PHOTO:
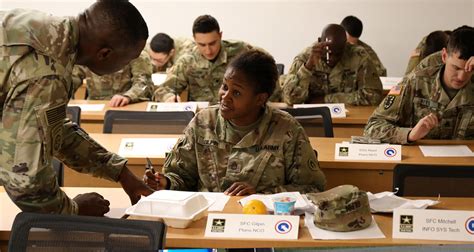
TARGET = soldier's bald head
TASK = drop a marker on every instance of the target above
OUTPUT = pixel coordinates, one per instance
(337, 35)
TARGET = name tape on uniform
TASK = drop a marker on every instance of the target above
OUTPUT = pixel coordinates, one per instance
(337, 109)
(447, 225)
(276, 227)
(385, 152)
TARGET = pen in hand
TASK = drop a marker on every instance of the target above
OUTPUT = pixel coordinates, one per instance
(327, 51)
(155, 182)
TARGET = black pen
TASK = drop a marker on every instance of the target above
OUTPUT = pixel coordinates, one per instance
(149, 166)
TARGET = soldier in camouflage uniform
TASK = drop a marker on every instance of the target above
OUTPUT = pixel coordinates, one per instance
(432, 43)
(243, 146)
(348, 76)
(435, 102)
(131, 84)
(353, 27)
(38, 52)
(201, 71)
(164, 51)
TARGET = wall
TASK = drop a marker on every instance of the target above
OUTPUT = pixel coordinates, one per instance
(392, 27)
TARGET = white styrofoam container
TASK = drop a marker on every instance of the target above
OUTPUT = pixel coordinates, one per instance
(177, 208)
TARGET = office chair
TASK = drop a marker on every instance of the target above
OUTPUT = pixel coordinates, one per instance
(74, 114)
(54, 232)
(433, 180)
(317, 122)
(141, 122)
(280, 68)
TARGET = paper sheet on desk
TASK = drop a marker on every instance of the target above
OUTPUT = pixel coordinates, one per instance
(146, 147)
(220, 200)
(386, 202)
(446, 151)
(89, 107)
(372, 232)
(158, 78)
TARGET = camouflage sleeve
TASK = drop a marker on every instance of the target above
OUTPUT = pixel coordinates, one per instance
(369, 88)
(412, 63)
(302, 170)
(390, 122)
(78, 76)
(176, 81)
(142, 86)
(181, 165)
(379, 67)
(295, 85)
(82, 154)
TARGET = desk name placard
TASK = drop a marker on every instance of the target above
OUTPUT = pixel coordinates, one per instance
(385, 152)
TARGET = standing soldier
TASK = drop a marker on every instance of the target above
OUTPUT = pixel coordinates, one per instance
(38, 53)
(332, 71)
(201, 71)
(435, 102)
(164, 51)
(354, 27)
(129, 85)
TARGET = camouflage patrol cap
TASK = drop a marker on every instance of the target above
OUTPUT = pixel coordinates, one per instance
(343, 208)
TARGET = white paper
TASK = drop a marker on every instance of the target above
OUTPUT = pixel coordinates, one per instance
(172, 106)
(220, 200)
(146, 147)
(267, 199)
(89, 107)
(389, 82)
(371, 232)
(446, 151)
(158, 78)
(386, 202)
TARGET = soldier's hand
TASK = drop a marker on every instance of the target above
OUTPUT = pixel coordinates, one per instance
(92, 204)
(423, 127)
(155, 180)
(240, 189)
(174, 98)
(317, 52)
(133, 186)
(469, 64)
(119, 101)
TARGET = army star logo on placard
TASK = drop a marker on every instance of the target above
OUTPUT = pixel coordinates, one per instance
(218, 225)
(343, 151)
(406, 223)
(389, 101)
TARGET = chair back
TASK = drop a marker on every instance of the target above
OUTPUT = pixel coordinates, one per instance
(74, 114)
(142, 122)
(433, 180)
(53, 232)
(317, 122)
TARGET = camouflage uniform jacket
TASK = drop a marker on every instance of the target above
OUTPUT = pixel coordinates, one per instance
(132, 81)
(38, 52)
(416, 58)
(181, 46)
(353, 80)
(414, 98)
(381, 70)
(275, 156)
(200, 76)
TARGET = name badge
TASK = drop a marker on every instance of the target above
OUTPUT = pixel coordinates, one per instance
(447, 225)
(337, 109)
(171, 106)
(385, 152)
(279, 227)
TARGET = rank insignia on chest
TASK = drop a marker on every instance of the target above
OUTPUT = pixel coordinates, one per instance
(389, 101)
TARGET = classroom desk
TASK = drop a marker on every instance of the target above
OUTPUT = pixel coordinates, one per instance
(352, 125)
(373, 176)
(193, 236)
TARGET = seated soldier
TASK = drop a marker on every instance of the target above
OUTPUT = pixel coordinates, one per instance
(435, 102)
(434, 42)
(201, 71)
(164, 51)
(332, 71)
(129, 85)
(242, 146)
(354, 27)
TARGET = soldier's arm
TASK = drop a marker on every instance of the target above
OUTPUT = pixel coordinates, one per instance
(181, 165)
(369, 90)
(390, 122)
(381, 70)
(176, 81)
(302, 172)
(78, 76)
(295, 85)
(142, 85)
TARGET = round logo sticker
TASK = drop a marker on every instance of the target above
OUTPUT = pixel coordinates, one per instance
(336, 109)
(390, 152)
(187, 108)
(283, 227)
(470, 225)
